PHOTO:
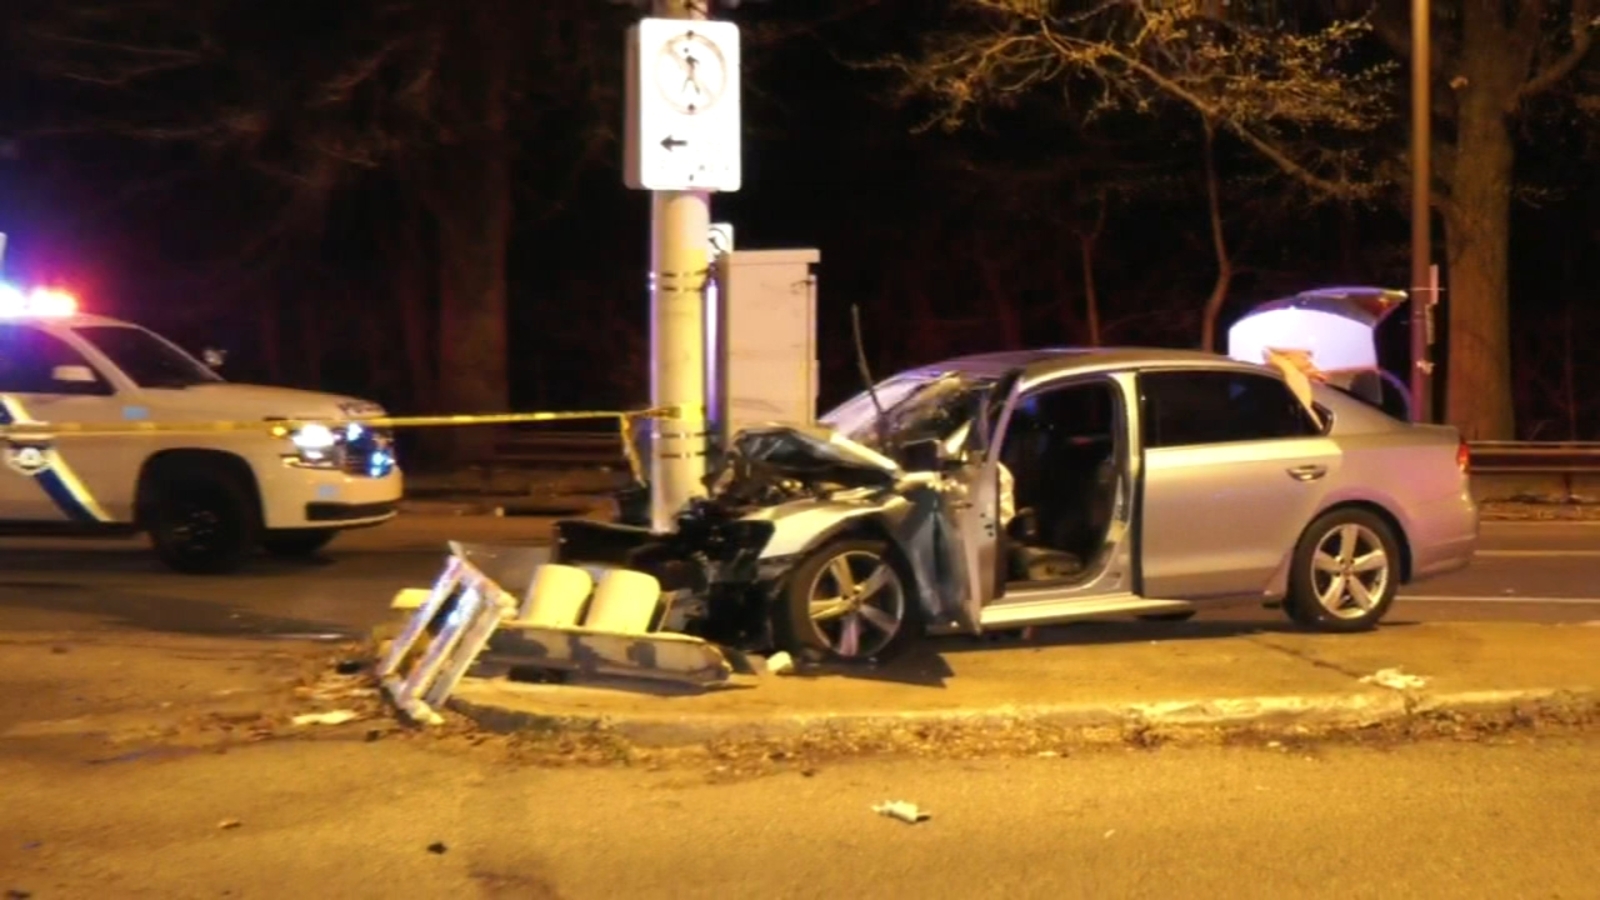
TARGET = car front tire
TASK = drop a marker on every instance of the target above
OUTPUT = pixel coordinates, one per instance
(1346, 572)
(849, 601)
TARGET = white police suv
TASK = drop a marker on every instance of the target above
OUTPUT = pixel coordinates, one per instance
(208, 501)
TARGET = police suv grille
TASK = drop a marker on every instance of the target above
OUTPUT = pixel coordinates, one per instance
(370, 454)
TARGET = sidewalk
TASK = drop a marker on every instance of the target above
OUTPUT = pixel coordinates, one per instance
(1099, 676)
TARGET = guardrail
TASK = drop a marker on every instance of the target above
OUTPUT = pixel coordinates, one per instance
(517, 448)
(1535, 458)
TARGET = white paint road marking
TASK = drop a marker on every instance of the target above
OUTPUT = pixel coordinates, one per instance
(1538, 554)
(1530, 601)
(1521, 523)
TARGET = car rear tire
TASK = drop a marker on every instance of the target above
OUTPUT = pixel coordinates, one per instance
(297, 544)
(203, 522)
(849, 601)
(1346, 572)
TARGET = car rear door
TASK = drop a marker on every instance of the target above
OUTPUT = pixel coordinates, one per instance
(1234, 468)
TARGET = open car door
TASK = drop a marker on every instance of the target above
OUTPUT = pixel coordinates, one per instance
(971, 506)
(971, 511)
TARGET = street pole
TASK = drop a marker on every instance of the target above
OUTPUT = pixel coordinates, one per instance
(680, 227)
(1423, 295)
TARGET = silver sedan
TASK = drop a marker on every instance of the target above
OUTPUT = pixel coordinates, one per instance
(1023, 488)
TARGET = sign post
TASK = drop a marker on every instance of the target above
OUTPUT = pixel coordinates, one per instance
(682, 143)
(1422, 287)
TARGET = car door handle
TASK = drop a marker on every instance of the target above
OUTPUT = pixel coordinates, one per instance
(1307, 473)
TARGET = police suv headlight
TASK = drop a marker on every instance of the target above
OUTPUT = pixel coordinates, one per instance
(316, 447)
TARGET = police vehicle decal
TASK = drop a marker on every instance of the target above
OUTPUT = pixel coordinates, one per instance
(41, 462)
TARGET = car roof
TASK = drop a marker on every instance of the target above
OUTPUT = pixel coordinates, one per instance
(73, 321)
(1045, 362)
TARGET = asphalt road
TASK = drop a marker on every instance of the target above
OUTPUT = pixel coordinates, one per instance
(354, 820)
(1543, 572)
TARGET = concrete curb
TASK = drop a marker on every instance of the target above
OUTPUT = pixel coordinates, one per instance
(1332, 712)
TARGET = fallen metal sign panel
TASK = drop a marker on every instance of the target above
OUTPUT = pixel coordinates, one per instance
(660, 656)
(469, 618)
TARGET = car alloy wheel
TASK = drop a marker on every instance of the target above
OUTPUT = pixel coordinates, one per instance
(1350, 571)
(857, 603)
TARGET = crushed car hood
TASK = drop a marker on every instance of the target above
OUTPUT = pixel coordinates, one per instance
(810, 448)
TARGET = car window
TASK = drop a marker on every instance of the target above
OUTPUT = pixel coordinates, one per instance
(1182, 409)
(150, 361)
(31, 360)
(1072, 411)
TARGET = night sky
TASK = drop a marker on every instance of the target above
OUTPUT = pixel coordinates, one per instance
(171, 235)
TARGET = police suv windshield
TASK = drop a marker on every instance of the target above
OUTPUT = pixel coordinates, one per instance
(150, 361)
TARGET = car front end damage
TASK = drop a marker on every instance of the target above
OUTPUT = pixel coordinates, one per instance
(693, 603)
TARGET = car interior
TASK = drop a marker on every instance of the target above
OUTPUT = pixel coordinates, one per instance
(1063, 452)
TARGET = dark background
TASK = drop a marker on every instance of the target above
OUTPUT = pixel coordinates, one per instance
(209, 246)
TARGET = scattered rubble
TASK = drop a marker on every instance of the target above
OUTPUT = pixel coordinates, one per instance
(1395, 679)
(908, 813)
(336, 717)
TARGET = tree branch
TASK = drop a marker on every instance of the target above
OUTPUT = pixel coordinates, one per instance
(1211, 113)
(1581, 36)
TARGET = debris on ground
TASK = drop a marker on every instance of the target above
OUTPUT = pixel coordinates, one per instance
(338, 687)
(227, 824)
(336, 717)
(902, 810)
(437, 847)
(1396, 679)
(780, 663)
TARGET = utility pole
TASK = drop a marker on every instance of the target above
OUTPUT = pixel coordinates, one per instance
(1424, 290)
(680, 228)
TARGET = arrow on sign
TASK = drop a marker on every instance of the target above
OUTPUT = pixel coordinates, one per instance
(671, 143)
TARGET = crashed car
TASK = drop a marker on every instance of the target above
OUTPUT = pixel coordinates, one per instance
(1023, 488)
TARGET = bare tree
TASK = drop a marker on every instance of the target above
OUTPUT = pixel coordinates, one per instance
(432, 98)
(1493, 64)
(1294, 99)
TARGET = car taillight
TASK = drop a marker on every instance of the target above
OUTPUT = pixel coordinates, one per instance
(1463, 456)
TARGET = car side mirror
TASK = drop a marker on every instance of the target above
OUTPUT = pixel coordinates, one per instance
(73, 375)
(926, 455)
(214, 357)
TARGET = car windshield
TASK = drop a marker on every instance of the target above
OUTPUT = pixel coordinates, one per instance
(916, 407)
(150, 361)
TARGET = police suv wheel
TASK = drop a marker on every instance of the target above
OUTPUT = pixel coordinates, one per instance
(297, 544)
(203, 524)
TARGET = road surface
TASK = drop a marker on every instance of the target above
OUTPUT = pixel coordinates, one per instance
(353, 820)
(1526, 571)
(103, 632)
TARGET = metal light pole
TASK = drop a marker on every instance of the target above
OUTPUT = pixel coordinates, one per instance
(1422, 289)
(680, 226)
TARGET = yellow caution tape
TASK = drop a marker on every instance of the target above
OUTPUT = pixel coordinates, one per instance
(281, 427)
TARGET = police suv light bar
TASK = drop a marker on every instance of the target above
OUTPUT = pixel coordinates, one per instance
(39, 303)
